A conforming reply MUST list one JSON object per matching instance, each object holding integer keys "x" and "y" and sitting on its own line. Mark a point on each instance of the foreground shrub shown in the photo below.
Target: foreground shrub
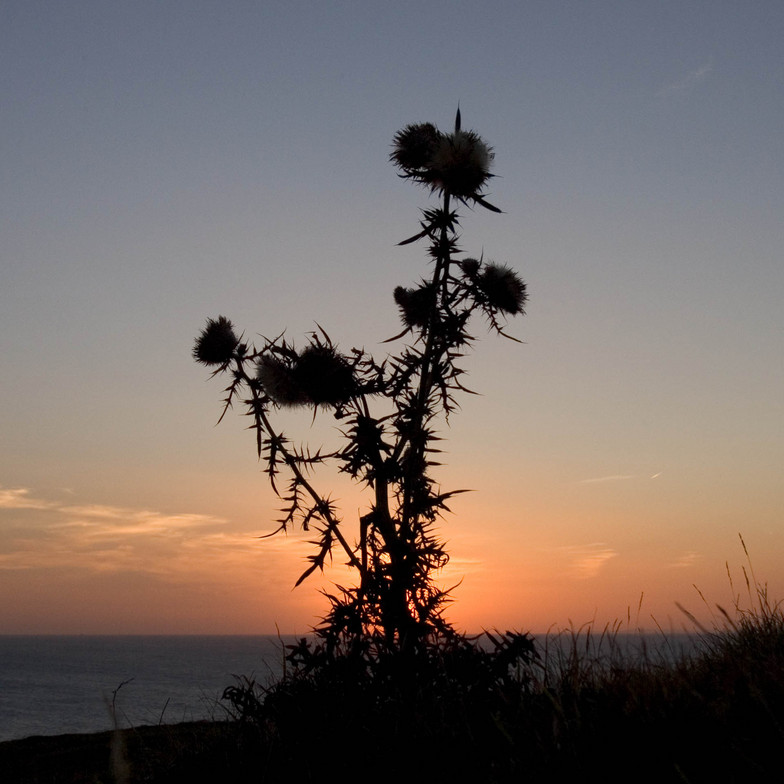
{"x": 506, "y": 708}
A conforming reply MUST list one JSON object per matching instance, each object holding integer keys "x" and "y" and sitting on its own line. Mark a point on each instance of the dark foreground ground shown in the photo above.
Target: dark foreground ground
{"x": 177, "y": 752}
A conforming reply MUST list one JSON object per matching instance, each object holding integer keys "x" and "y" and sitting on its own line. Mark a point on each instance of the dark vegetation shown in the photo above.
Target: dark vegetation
{"x": 487, "y": 710}
{"x": 387, "y": 413}
{"x": 497, "y": 710}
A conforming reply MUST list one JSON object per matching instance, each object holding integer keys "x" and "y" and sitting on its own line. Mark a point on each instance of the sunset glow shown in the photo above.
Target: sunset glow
{"x": 165, "y": 163}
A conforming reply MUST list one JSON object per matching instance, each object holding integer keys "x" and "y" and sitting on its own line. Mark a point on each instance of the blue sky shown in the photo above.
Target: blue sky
{"x": 166, "y": 162}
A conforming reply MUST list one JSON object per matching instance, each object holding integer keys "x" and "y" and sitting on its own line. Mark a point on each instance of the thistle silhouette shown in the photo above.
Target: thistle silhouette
{"x": 395, "y": 603}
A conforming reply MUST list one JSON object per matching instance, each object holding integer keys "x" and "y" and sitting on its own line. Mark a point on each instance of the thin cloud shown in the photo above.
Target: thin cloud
{"x": 465, "y": 562}
{"x": 458, "y": 568}
{"x": 685, "y": 560}
{"x": 95, "y": 510}
{"x": 110, "y": 521}
{"x": 616, "y": 478}
{"x": 19, "y": 498}
{"x": 102, "y": 538}
{"x": 688, "y": 82}
{"x": 611, "y": 478}
{"x": 589, "y": 559}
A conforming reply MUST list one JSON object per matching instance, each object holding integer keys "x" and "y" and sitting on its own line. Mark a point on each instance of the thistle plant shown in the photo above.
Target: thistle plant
{"x": 393, "y": 548}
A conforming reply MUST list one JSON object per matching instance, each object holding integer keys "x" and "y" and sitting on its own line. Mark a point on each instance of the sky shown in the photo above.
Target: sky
{"x": 162, "y": 163}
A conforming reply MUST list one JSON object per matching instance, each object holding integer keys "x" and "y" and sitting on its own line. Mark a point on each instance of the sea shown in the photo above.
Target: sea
{"x": 54, "y": 685}
{"x": 77, "y": 684}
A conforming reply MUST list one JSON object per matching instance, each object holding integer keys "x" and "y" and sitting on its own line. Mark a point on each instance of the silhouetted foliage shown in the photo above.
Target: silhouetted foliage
{"x": 584, "y": 706}
{"x": 487, "y": 710}
{"x": 395, "y": 603}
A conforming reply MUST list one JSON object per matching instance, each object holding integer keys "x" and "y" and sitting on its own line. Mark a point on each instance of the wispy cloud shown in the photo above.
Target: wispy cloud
{"x": 589, "y": 559}
{"x": 611, "y": 478}
{"x": 687, "y": 82}
{"x": 102, "y": 538}
{"x": 19, "y": 498}
{"x": 458, "y": 568}
{"x": 685, "y": 560}
{"x": 617, "y": 478}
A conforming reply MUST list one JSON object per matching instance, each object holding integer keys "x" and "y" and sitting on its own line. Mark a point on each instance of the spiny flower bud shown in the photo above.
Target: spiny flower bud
{"x": 503, "y": 289}
{"x": 469, "y": 267}
{"x": 216, "y": 343}
{"x": 324, "y": 375}
{"x": 414, "y": 146}
{"x": 278, "y": 382}
{"x": 415, "y": 305}
{"x": 461, "y": 163}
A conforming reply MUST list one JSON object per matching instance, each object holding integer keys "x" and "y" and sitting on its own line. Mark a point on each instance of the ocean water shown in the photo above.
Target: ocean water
{"x": 62, "y": 684}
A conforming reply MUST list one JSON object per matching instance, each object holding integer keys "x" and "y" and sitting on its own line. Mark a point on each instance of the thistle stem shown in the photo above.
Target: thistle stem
{"x": 430, "y": 358}
{"x": 322, "y": 506}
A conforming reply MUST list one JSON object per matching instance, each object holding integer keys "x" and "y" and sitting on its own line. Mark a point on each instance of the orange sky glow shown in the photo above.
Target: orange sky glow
{"x": 165, "y": 163}
{"x": 94, "y": 568}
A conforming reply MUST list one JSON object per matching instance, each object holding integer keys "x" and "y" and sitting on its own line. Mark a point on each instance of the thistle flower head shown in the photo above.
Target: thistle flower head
{"x": 278, "y": 382}
{"x": 324, "y": 375}
{"x": 461, "y": 164}
{"x": 415, "y": 305}
{"x": 469, "y": 267}
{"x": 414, "y": 147}
{"x": 503, "y": 289}
{"x": 216, "y": 343}
{"x": 457, "y": 163}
